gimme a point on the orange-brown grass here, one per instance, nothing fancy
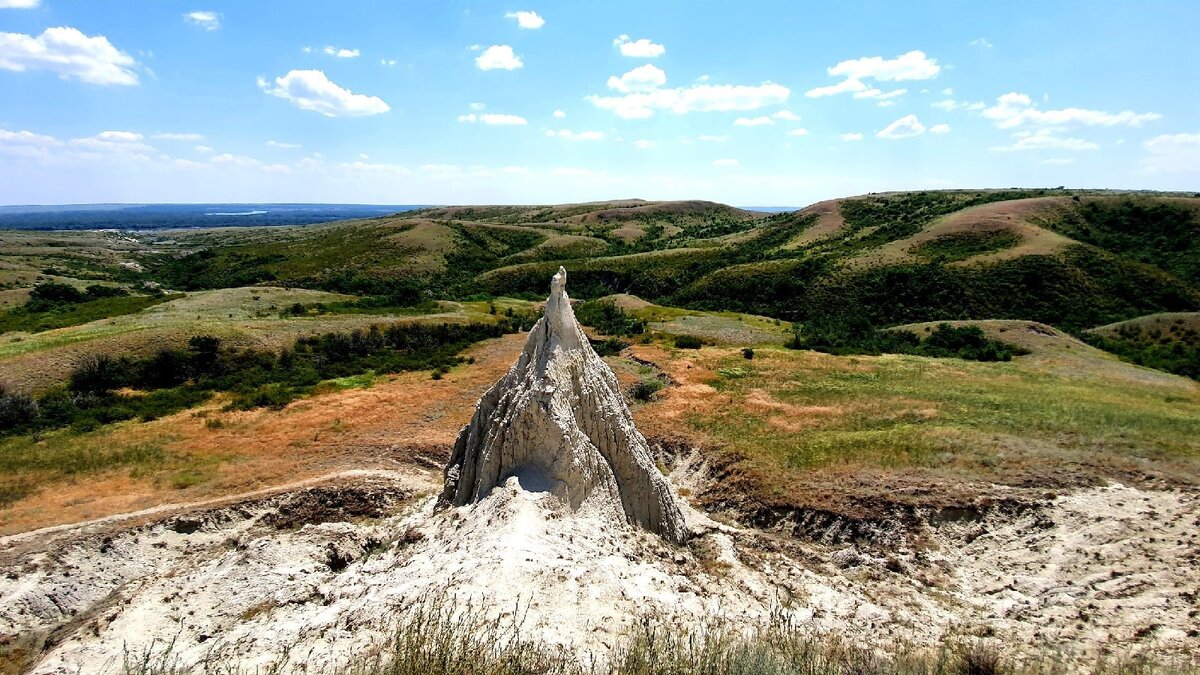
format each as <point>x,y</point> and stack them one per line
<point>407,420</point>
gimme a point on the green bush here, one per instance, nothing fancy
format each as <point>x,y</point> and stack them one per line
<point>606,317</point>
<point>688,342</point>
<point>609,347</point>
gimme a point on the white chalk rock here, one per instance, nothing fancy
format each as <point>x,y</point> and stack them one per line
<point>558,424</point>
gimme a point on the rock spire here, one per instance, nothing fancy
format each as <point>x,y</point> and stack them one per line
<point>556,422</point>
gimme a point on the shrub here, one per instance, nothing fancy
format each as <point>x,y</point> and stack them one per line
<point>688,342</point>
<point>747,353</point>
<point>609,347</point>
<point>644,390</point>
<point>606,317</point>
<point>98,374</point>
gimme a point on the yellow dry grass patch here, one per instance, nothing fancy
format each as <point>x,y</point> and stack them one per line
<point>829,223</point>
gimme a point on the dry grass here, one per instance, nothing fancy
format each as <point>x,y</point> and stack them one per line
<point>829,223</point>
<point>1014,216</point>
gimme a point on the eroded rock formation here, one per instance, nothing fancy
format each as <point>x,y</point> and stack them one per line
<point>556,422</point>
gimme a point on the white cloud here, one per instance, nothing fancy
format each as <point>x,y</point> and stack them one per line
<point>283,146</point>
<point>527,19</point>
<point>712,139</point>
<point>387,62</point>
<point>576,136</point>
<point>1014,109</point>
<point>948,91</point>
<point>642,49</point>
<point>798,132</point>
<point>948,104</point>
<point>726,162</point>
<point>312,90</point>
<point>498,57</point>
<point>189,138</point>
<point>914,65</point>
<point>204,19</point>
<point>642,78</point>
<point>494,119</point>
<point>696,98</point>
<point>203,149</point>
<point>939,129</point>
<point>69,53</point>
<point>1045,139</point>
<point>851,137</point>
<point>982,43</point>
<point>476,106</point>
<point>1057,161</point>
<point>19,4</point>
<point>341,52</point>
<point>119,136</point>
<point>644,145</point>
<point>1172,153</point>
<point>26,143</point>
<point>753,121</point>
<point>245,162</point>
<point>558,114</point>
<point>905,127</point>
<point>786,115</point>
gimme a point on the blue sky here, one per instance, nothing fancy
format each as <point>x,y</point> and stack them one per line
<point>751,103</point>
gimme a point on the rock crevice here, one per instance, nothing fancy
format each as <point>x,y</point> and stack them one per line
<point>558,424</point>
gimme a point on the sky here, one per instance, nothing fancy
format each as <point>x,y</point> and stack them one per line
<point>456,102</point>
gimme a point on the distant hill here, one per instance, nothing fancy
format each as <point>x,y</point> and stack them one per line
<point>166,216</point>
<point>1073,260</point>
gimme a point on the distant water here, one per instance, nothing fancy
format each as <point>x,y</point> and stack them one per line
<point>162,216</point>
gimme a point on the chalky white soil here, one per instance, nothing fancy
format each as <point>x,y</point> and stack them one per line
<point>1110,570</point>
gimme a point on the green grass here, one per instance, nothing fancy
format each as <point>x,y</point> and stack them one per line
<point>897,411</point>
<point>21,319</point>
<point>962,245</point>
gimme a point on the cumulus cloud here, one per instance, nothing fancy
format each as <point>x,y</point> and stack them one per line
<point>726,162</point>
<point>1014,109</point>
<point>696,98</point>
<point>70,53</point>
<point>167,136</point>
<point>26,143</point>
<point>982,43</point>
<point>494,119</point>
<point>905,127</point>
<point>312,90</point>
<point>576,136</point>
<point>753,121</point>
<point>19,4</point>
<point>939,129</point>
<point>1172,153</point>
<point>851,137</point>
<point>642,49</point>
<point>786,115</point>
<point>387,62</point>
<point>498,57</point>
<point>558,114</point>
<point>204,19</point>
<point>914,65</point>
<point>642,78</point>
<point>1045,139</point>
<point>798,132</point>
<point>283,146</point>
<point>527,19</point>
<point>341,52</point>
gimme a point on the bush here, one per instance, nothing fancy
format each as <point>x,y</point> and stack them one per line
<point>747,353</point>
<point>688,342</point>
<point>98,374</point>
<point>610,347</point>
<point>606,317</point>
<point>644,390</point>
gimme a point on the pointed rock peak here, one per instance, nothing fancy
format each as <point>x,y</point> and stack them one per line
<point>557,423</point>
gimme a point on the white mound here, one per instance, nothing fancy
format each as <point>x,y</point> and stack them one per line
<point>558,424</point>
